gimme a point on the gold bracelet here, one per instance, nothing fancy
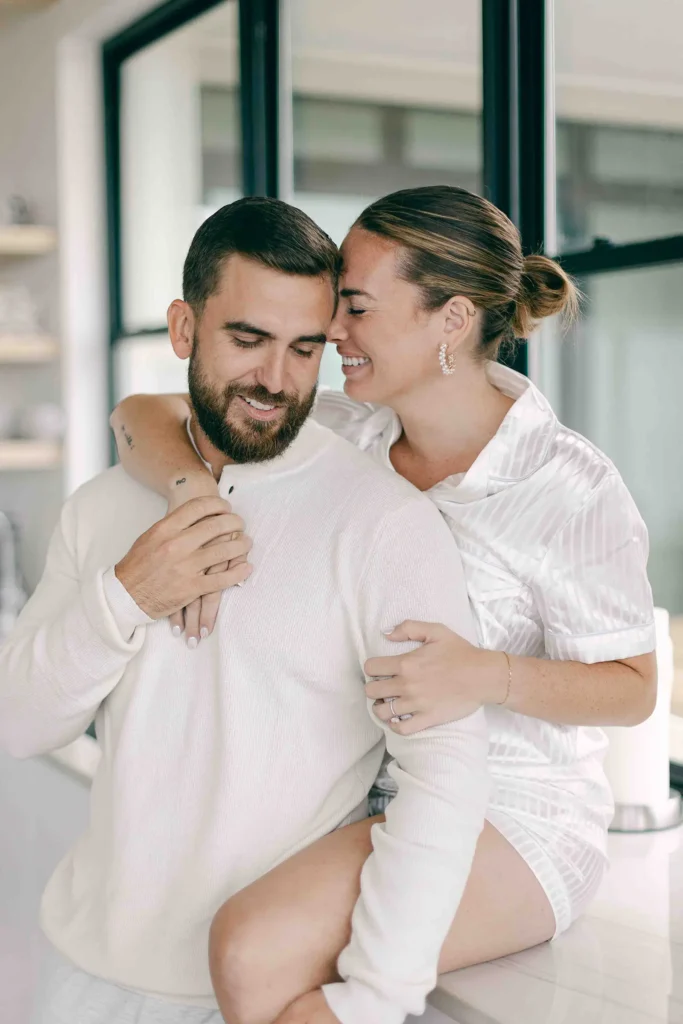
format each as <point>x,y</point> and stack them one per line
<point>505,698</point>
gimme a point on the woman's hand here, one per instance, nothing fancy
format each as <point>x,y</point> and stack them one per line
<point>309,1009</point>
<point>444,680</point>
<point>199,618</point>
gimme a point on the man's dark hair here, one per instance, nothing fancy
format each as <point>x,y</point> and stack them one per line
<point>268,231</point>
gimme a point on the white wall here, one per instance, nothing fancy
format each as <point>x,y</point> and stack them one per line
<point>49,75</point>
<point>619,61</point>
<point>623,373</point>
<point>42,812</point>
<point>28,167</point>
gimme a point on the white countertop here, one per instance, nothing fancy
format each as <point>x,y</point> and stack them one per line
<point>621,964</point>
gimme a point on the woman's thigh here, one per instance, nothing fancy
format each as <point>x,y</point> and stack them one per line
<point>503,909</point>
<point>286,930</point>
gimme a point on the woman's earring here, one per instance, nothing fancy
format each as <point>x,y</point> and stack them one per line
<point>447,362</point>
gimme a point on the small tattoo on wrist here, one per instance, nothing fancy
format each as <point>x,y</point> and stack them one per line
<point>179,482</point>
<point>128,437</point>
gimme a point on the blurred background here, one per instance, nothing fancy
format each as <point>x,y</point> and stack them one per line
<point>124,123</point>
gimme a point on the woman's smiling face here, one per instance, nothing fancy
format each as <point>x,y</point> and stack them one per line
<point>389,343</point>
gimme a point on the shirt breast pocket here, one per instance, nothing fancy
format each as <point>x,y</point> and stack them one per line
<point>497,597</point>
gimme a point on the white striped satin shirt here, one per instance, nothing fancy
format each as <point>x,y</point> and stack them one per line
<point>555,556</point>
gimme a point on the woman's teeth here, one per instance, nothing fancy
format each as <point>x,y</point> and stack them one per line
<point>349,361</point>
<point>257,405</point>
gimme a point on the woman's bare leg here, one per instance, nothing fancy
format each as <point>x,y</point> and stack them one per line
<point>281,936</point>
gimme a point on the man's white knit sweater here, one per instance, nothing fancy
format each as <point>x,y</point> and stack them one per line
<point>219,763</point>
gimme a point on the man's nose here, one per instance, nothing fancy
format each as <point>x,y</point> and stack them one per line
<point>271,373</point>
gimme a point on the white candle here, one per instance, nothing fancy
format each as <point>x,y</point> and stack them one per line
<point>637,762</point>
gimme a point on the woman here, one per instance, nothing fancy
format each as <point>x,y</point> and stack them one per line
<point>555,558</point>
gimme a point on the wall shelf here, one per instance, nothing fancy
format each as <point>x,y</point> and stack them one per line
<point>29,455</point>
<point>27,240</point>
<point>27,348</point>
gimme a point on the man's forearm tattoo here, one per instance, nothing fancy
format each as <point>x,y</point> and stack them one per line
<point>128,437</point>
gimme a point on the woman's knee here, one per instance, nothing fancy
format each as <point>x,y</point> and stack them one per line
<point>236,961</point>
<point>281,936</point>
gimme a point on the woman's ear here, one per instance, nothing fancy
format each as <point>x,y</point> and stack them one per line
<point>460,316</point>
<point>181,328</point>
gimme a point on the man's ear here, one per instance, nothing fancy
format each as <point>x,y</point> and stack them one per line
<point>181,328</point>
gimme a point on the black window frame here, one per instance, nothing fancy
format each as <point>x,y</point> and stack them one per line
<point>259,97</point>
<point>512,133</point>
<point>515,97</point>
<point>517,104</point>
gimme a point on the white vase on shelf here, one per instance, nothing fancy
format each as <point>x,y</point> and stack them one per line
<point>18,311</point>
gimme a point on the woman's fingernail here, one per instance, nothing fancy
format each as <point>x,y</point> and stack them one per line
<point>176,631</point>
<point>192,642</point>
<point>387,632</point>
<point>203,632</point>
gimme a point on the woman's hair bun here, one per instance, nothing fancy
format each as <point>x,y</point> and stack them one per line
<point>545,290</point>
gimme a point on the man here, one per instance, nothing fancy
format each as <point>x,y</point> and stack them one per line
<point>222,761</point>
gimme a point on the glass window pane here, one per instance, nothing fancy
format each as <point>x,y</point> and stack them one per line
<point>619,90</point>
<point>180,154</point>
<point>220,145</point>
<point>382,100</point>
<point>437,140</point>
<point>620,375</point>
<point>148,364</point>
<point>344,132</point>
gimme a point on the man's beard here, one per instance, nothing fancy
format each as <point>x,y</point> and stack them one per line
<point>253,440</point>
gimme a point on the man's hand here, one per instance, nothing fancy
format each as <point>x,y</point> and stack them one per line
<point>166,568</point>
<point>198,618</point>
<point>309,1009</point>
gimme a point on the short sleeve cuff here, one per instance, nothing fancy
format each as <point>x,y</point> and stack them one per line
<point>595,647</point>
<point>354,1003</point>
<point>111,609</point>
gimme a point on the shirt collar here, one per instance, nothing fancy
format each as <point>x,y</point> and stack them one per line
<point>519,447</point>
<point>303,448</point>
<point>521,443</point>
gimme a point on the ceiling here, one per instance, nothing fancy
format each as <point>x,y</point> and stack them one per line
<point>12,11</point>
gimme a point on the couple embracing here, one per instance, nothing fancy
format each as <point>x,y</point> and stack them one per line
<point>348,655</point>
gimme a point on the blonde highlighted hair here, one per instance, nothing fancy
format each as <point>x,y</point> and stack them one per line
<point>457,243</point>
